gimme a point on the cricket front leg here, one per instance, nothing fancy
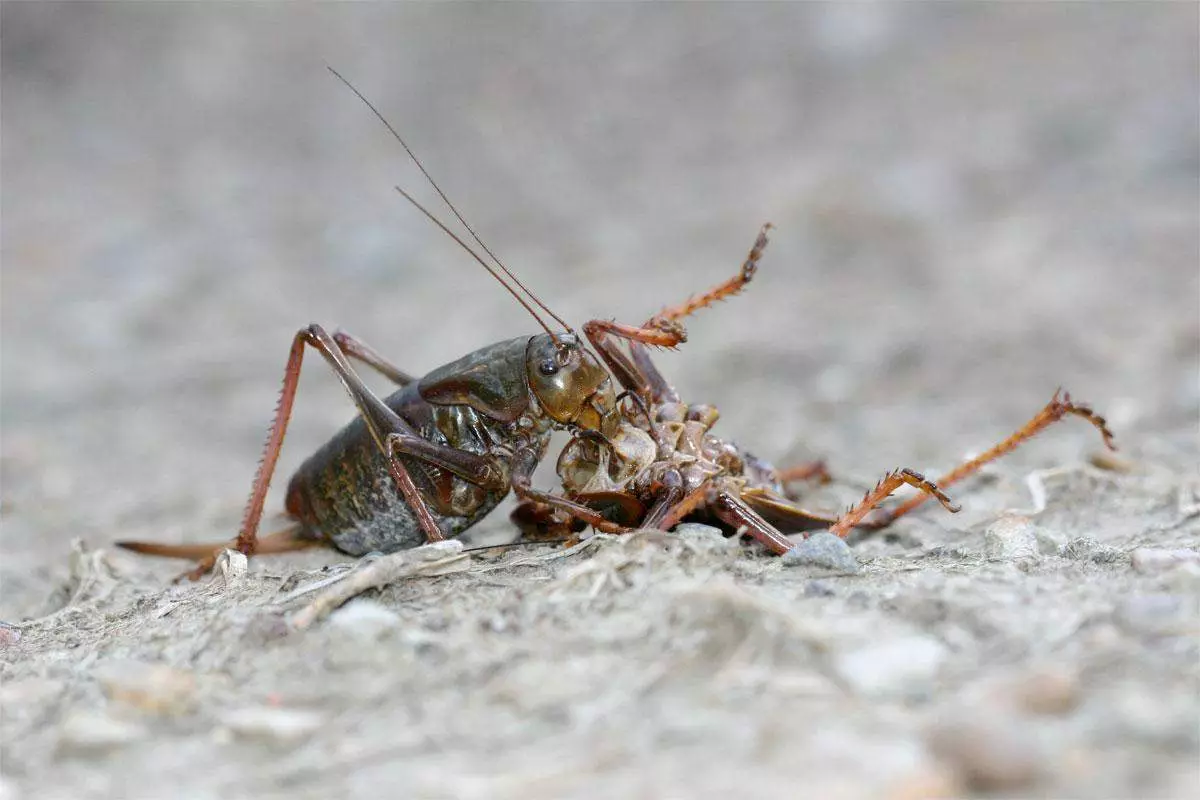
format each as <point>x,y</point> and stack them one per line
<point>637,372</point>
<point>737,513</point>
<point>1055,410</point>
<point>524,463</point>
<point>734,512</point>
<point>356,348</point>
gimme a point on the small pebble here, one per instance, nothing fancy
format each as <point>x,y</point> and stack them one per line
<point>1086,548</point>
<point>91,733</point>
<point>699,531</point>
<point>989,752</point>
<point>1047,690</point>
<point>363,617</point>
<point>154,688</point>
<point>1152,560</point>
<point>275,724</point>
<point>1010,538</point>
<point>822,550</point>
<point>1104,459</point>
<point>905,666</point>
<point>707,537</point>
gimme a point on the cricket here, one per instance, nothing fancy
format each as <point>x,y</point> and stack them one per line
<point>436,456</point>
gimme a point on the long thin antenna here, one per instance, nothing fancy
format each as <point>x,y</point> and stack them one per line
<point>475,256</point>
<point>446,200</point>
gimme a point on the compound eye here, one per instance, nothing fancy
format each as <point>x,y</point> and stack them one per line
<point>548,367</point>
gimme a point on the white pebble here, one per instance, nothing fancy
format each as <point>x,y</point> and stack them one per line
<point>277,724</point>
<point>364,617</point>
<point>902,667</point>
<point>1012,537</point>
<point>90,732</point>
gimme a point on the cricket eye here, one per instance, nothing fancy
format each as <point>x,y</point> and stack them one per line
<point>548,367</point>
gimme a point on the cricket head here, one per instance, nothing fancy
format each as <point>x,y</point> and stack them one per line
<point>571,386</point>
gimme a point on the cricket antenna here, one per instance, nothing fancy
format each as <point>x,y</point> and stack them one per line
<point>475,256</point>
<point>396,135</point>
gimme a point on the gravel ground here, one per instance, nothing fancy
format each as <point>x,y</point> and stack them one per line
<point>974,205</point>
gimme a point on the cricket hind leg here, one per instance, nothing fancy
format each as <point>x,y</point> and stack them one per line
<point>290,539</point>
<point>785,514</point>
<point>1054,411</point>
<point>376,414</point>
<point>380,421</point>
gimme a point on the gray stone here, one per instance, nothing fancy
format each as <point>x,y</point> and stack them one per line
<point>1012,537</point>
<point>822,550</point>
<point>706,537</point>
<point>698,530</point>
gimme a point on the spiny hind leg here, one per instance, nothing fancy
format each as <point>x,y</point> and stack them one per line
<point>888,484</point>
<point>1055,410</point>
<point>380,420</point>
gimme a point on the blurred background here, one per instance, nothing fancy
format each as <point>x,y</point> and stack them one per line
<point>974,205</point>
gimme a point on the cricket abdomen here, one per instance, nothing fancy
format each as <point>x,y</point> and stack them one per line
<point>346,495</point>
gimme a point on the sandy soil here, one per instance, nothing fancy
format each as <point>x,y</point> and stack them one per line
<point>974,206</point>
